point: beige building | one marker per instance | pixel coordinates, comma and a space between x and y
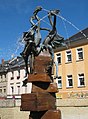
72, 77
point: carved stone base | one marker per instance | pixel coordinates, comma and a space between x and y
44, 87
43, 77
37, 101
50, 114
41, 102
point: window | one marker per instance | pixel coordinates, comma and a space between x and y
1, 76
59, 58
81, 81
59, 82
79, 54
5, 75
69, 81
12, 89
0, 90
4, 90
18, 74
68, 56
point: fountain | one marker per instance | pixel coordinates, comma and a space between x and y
20, 41
41, 101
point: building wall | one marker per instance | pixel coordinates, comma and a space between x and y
14, 85
14, 82
3, 85
73, 68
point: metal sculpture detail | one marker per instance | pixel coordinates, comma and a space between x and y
32, 39
42, 99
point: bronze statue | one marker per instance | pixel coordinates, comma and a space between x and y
41, 102
33, 45
53, 40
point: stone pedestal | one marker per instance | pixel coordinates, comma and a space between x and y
41, 101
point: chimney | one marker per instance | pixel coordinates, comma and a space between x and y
2, 61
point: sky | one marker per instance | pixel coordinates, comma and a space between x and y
15, 15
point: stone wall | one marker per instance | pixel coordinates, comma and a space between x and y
13, 113
70, 109
73, 108
72, 102
10, 103
10, 109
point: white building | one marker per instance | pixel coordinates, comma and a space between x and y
14, 77
3, 79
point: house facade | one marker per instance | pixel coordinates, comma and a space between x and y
3, 79
12, 77
72, 77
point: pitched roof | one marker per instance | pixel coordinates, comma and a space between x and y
80, 34
78, 39
13, 63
